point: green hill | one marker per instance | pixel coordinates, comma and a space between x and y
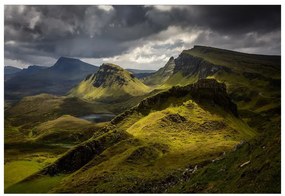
211, 124
149, 143
253, 81
65, 129
110, 83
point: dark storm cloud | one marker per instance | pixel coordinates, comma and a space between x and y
32, 32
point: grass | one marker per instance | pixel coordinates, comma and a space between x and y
40, 185
65, 129
154, 151
261, 175
240, 62
25, 159
111, 87
180, 80
22, 169
159, 146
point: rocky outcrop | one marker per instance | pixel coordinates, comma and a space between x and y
204, 91
110, 73
83, 153
176, 118
191, 65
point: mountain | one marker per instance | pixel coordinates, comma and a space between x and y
141, 73
109, 83
162, 75
251, 79
209, 122
58, 79
148, 146
9, 71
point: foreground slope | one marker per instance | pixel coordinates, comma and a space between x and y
110, 83
144, 147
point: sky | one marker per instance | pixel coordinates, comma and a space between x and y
139, 37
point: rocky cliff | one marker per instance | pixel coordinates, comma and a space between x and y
190, 65
204, 91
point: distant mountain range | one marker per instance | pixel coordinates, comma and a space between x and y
57, 79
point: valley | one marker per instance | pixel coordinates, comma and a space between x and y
209, 121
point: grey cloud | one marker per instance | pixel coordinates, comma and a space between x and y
90, 32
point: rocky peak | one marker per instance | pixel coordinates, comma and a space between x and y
109, 74
110, 67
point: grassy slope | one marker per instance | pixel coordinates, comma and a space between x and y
33, 110
65, 129
22, 159
159, 147
27, 153
111, 88
162, 142
131, 164
241, 62
261, 175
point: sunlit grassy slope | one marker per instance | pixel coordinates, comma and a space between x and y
27, 152
177, 144
175, 135
111, 82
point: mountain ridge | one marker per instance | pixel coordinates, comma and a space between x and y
57, 79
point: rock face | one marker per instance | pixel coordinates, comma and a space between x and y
191, 65
109, 74
83, 153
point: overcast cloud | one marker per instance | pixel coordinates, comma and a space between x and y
142, 37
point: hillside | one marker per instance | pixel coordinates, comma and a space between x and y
253, 81
110, 83
160, 76
57, 79
208, 115
65, 129
149, 143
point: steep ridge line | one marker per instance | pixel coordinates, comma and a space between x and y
203, 89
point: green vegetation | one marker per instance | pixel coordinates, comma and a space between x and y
42, 185
186, 135
111, 82
268, 66
65, 129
